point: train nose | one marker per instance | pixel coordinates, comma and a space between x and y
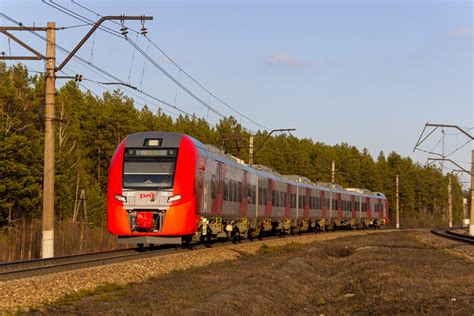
147, 199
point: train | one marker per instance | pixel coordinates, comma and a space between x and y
169, 188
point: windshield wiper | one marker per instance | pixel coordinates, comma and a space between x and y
161, 186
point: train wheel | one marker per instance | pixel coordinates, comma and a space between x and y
236, 236
187, 243
208, 238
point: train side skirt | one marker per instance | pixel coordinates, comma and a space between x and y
150, 240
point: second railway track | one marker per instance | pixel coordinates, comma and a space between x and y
35, 267
23, 269
454, 236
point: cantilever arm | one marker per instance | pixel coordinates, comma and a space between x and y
92, 30
451, 161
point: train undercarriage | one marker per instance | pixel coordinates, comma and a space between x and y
236, 229
218, 228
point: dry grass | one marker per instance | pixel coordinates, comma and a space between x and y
389, 273
22, 240
339, 251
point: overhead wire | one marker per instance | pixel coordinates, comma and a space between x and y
133, 59
143, 69
31, 69
459, 148
151, 60
72, 26
98, 70
436, 144
92, 48
181, 69
101, 85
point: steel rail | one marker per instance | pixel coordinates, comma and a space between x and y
454, 236
30, 268
22, 269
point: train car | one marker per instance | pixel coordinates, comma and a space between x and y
169, 188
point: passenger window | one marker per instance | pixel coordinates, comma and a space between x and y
226, 189
236, 192
239, 192
253, 194
213, 186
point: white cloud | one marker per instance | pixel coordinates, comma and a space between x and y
463, 31
278, 58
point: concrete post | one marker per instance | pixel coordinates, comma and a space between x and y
397, 205
333, 171
450, 203
251, 150
471, 222
49, 139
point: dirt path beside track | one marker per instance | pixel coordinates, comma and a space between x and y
390, 273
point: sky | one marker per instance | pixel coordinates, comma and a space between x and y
366, 73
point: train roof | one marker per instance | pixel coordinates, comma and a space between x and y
173, 139
268, 172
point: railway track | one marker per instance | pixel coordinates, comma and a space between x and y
22, 269
35, 267
454, 236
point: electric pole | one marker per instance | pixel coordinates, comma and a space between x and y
252, 154
333, 171
50, 93
397, 202
422, 138
471, 220
49, 142
450, 203
251, 150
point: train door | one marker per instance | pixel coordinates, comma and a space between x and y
307, 198
268, 206
381, 209
369, 207
217, 190
246, 194
288, 201
201, 189
322, 204
339, 205
353, 209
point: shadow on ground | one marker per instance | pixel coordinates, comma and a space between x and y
389, 273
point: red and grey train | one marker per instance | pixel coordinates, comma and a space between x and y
169, 188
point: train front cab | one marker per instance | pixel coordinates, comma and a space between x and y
151, 197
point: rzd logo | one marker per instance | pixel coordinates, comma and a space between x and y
147, 195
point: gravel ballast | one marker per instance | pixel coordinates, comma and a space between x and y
35, 291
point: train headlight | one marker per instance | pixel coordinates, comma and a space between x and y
174, 198
121, 198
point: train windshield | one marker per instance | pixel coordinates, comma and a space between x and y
149, 168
